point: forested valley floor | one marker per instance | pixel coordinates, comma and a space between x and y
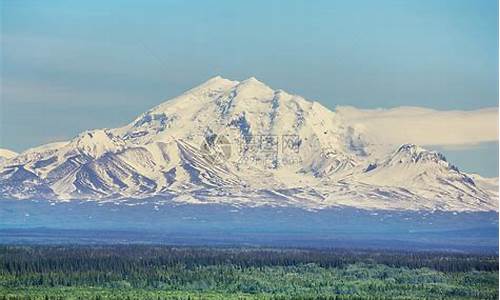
165, 272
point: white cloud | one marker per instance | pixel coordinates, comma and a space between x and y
424, 126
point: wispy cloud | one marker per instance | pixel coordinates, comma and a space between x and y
424, 126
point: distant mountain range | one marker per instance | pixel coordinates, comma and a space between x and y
243, 144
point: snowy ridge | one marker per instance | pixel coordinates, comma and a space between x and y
244, 144
6, 154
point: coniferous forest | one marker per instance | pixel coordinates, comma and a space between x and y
163, 272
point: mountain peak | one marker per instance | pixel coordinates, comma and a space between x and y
188, 100
217, 79
411, 153
253, 82
97, 142
410, 148
252, 79
253, 88
214, 83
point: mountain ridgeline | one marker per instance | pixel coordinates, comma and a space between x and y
243, 144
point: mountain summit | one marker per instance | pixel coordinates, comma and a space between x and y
243, 144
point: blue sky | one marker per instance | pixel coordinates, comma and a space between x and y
68, 66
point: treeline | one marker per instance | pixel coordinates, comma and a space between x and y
193, 297
123, 258
161, 272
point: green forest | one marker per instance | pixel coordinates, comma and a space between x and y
164, 272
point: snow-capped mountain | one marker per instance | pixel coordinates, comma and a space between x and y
243, 143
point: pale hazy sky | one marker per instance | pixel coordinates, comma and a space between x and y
67, 66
